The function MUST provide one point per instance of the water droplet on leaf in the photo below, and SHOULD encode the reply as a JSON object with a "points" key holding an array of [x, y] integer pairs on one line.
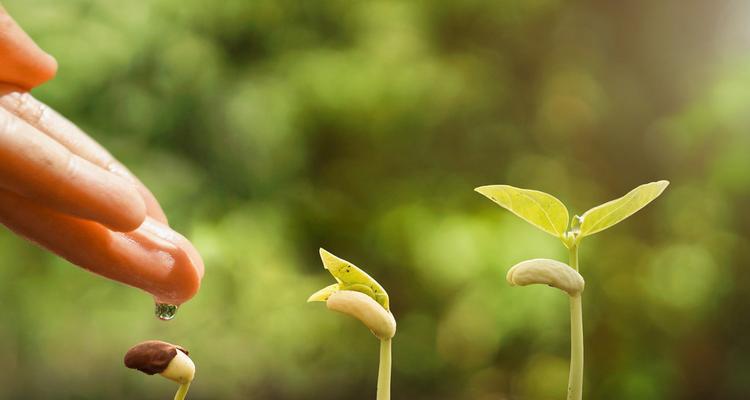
{"points": [[575, 225]]}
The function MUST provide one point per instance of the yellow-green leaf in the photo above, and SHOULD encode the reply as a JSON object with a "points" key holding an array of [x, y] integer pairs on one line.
{"points": [[358, 287], [324, 294], [602, 217], [352, 278], [538, 208]]}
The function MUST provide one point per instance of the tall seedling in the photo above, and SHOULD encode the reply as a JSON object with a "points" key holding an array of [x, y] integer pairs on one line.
{"points": [[550, 215]]}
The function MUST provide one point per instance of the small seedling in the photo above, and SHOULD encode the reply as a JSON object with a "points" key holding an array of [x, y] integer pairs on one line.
{"points": [[169, 360], [550, 215], [356, 294]]}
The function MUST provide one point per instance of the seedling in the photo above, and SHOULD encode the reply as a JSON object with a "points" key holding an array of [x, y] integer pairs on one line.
{"points": [[356, 294], [169, 360], [550, 215]]}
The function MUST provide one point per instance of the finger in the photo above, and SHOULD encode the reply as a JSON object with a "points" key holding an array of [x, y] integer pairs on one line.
{"points": [[153, 258], [153, 208], [23, 62], [48, 121], [39, 168]]}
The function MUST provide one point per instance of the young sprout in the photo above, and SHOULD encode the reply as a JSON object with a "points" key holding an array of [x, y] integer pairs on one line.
{"points": [[358, 295], [169, 360], [550, 215]]}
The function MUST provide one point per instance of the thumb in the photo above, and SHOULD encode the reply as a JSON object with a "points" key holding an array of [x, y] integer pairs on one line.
{"points": [[22, 62]]}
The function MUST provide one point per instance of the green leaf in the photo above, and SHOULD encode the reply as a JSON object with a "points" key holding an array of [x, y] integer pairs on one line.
{"points": [[324, 294], [358, 287], [538, 208], [602, 217], [349, 277]]}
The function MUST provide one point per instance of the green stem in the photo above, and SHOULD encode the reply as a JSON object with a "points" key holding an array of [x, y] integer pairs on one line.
{"points": [[384, 372], [182, 391], [575, 381]]}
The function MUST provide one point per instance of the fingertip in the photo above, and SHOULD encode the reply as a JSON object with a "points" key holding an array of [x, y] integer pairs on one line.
{"points": [[183, 282], [46, 68], [186, 272], [25, 64], [42, 69], [195, 258], [153, 258], [189, 271]]}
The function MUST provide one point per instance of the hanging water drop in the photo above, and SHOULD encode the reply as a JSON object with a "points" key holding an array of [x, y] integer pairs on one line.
{"points": [[165, 311], [575, 225]]}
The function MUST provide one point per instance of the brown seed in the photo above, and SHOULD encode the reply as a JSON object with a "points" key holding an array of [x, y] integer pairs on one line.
{"points": [[152, 356]]}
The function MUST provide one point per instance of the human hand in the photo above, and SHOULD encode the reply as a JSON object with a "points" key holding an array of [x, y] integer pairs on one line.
{"points": [[62, 190]]}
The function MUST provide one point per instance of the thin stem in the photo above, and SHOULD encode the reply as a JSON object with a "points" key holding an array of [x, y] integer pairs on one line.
{"points": [[575, 381], [384, 372], [182, 391], [574, 257]]}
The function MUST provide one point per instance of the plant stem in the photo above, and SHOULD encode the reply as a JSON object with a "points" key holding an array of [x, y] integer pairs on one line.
{"points": [[384, 372], [575, 381], [182, 391]]}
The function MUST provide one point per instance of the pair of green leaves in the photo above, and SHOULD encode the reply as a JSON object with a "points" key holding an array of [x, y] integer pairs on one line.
{"points": [[348, 277], [550, 215]]}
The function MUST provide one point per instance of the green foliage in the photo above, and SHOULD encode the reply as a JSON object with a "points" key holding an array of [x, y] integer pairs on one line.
{"points": [[610, 213], [549, 214], [538, 208], [325, 293], [349, 277]]}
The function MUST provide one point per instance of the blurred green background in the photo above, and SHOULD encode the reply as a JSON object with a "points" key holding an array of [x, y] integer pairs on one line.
{"points": [[269, 128]]}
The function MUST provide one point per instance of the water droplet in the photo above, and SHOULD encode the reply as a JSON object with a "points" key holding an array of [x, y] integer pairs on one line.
{"points": [[575, 225], [165, 311]]}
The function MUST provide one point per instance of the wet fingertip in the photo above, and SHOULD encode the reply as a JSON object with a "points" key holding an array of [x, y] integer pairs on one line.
{"points": [[190, 264], [187, 274], [157, 229], [196, 259]]}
